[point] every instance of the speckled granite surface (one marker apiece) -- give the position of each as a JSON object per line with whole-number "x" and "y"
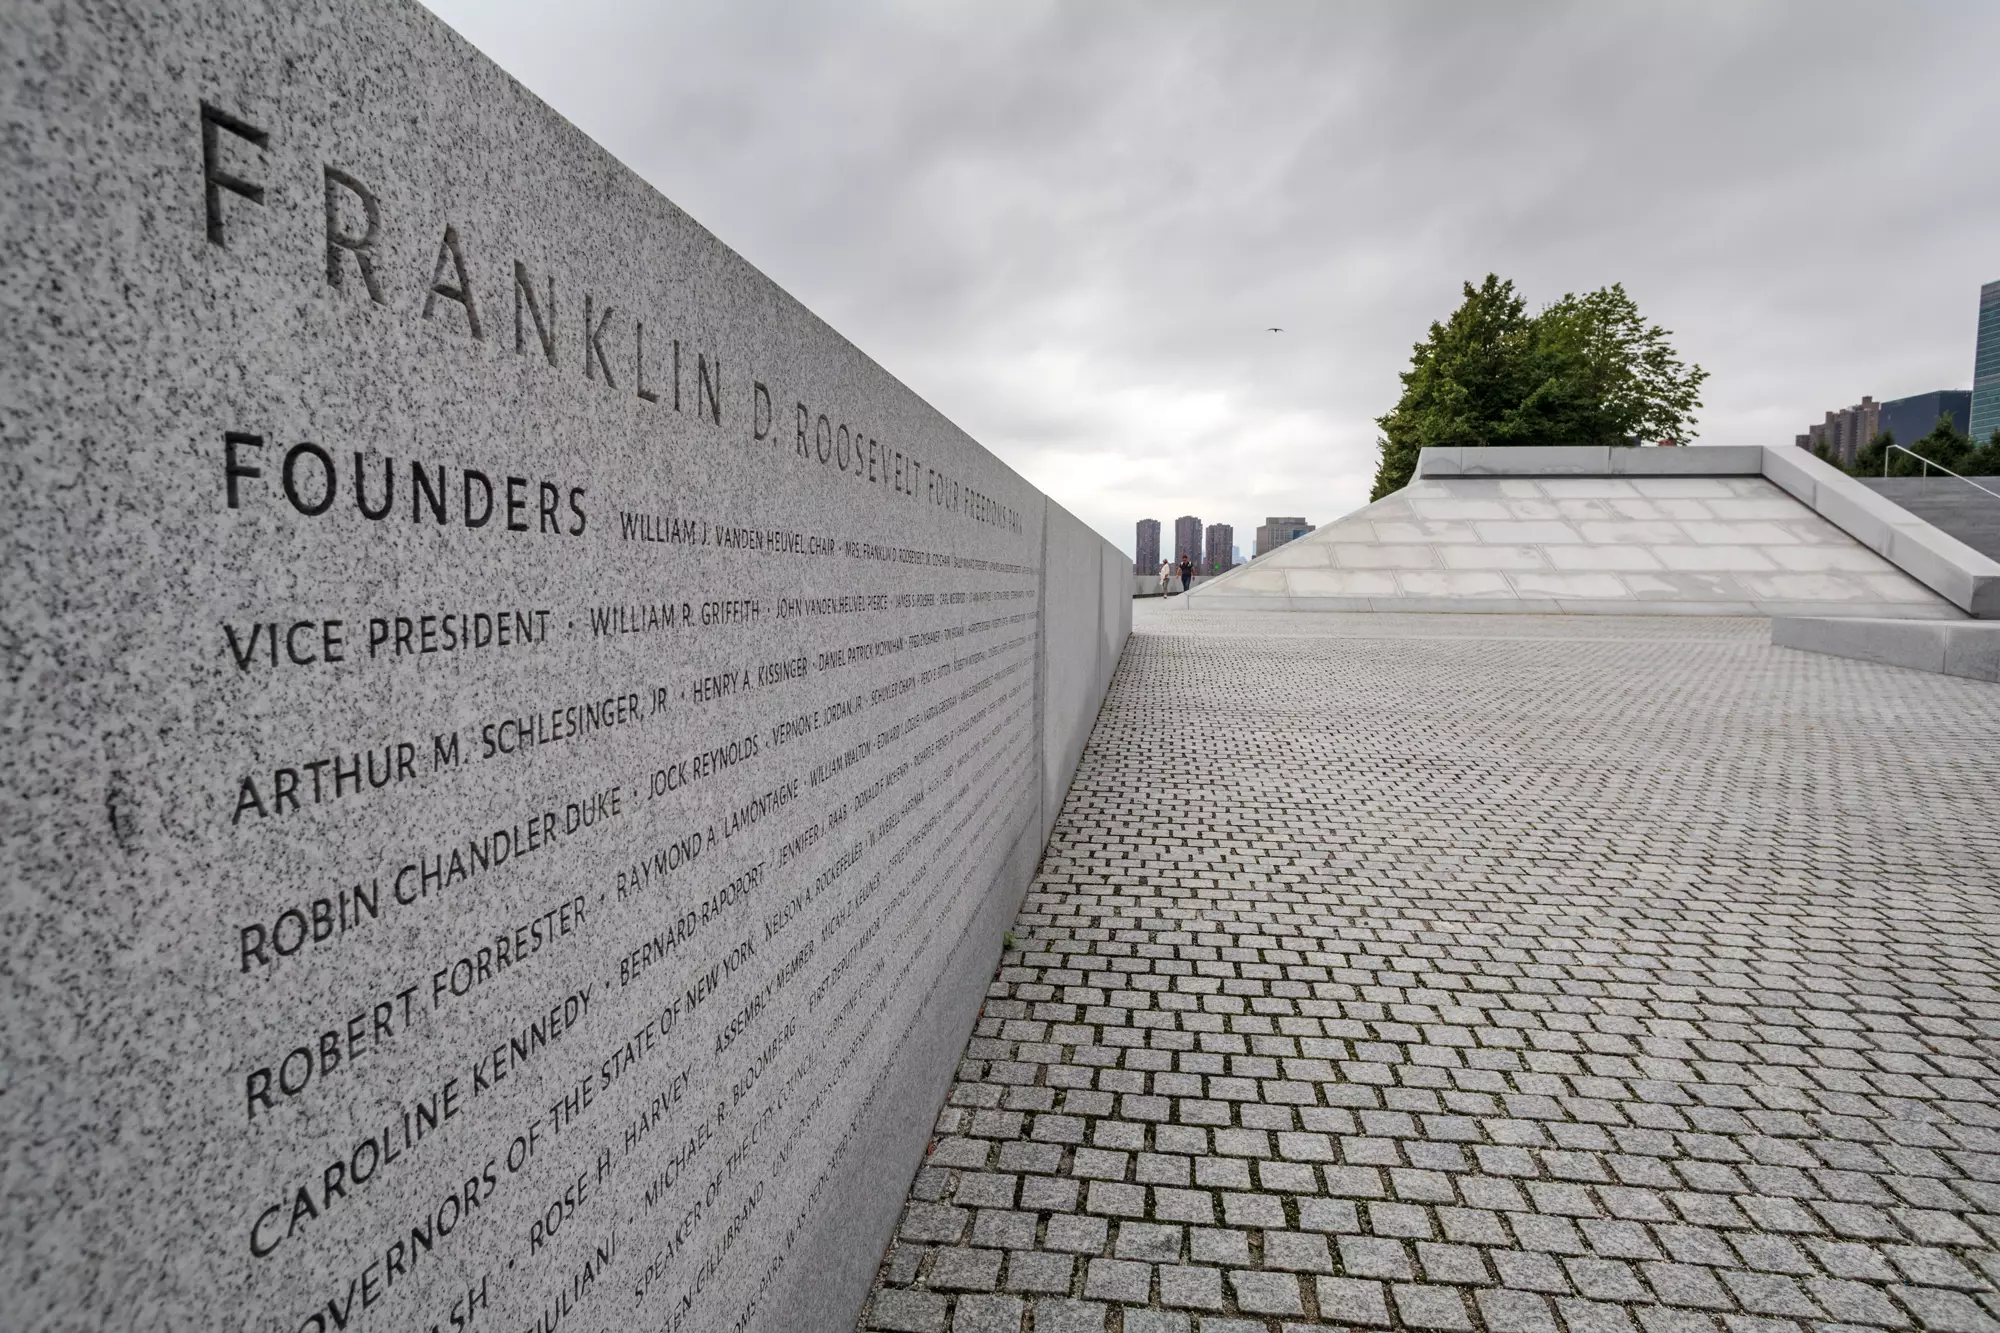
{"x": 520, "y": 741}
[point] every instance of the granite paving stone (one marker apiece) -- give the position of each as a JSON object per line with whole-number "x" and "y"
{"x": 1040, "y": 1270}
{"x": 1191, "y": 1287}
{"x": 1488, "y": 975}
{"x": 1118, "y": 1280}
{"x": 1260, "y": 1292}
{"x": 1948, "y": 1311}
{"x": 1515, "y": 1312}
{"x": 1594, "y": 1317}
{"x": 1148, "y": 1241}
{"x": 1070, "y": 1317}
{"x": 904, "y": 1311}
{"x": 987, "y": 1314}
{"x": 1298, "y": 1251}
{"x": 957, "y": 1269}
{"x": 1156, "y": 1321}
{"x": 1079, "y": 1235}
{"x": 1432, "y": 1308}
{"x": 999, "y": 1229}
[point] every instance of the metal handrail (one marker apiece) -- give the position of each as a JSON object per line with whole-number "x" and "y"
{"x": 1928, "y": 465}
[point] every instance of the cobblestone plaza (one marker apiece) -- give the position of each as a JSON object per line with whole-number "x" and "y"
{"x": 1519, "y": 974}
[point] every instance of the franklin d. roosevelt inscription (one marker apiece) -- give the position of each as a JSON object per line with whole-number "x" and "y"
{"x": 521, "y": 741}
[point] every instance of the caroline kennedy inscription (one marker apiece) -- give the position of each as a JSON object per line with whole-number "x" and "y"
{"x": 521, "y": 741}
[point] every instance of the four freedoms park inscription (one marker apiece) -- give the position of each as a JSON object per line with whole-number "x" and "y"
{"x": 521, "y": 742}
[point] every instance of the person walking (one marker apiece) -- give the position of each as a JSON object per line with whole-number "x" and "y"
{"x": 1187, "y": 573}
{"x": 1166, "y": 578}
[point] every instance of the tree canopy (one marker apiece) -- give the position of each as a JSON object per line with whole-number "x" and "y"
{"x": 1586, "y": 370}
{"x": 1946, "y": 445}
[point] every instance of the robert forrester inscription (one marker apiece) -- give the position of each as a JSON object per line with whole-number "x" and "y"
{"x": 520, "y": 741}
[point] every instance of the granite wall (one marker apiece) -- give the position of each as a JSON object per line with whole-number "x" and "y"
{"x": 521, "y": 742}
{"x": 1087, "y": 615}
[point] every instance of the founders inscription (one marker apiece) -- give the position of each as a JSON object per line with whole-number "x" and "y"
{"x": 521, "y": 740}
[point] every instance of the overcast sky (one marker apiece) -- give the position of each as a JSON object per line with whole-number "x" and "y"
{"x": 1068, "y": 226}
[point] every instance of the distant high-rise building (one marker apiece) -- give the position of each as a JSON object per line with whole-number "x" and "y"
{"x": 1187, "y": 540}
{"x": 1986, "y": 366}
{"x": 1277, "y": 531}
{"x": 1219, "y": 543}
{"x": 1146, "y": 557}
{"x": 1909, "y": 419}
{"x": 1843, "y": 433}
{"x": 1235, "y": 555}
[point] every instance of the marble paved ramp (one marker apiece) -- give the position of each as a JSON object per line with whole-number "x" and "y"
{"x": 1664, "y": 545}
{"x": 1505, "y": 974}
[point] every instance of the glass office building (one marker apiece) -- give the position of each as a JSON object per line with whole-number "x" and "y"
{"x": 1986, "y": 366}
{"x": 1908, "y": 420}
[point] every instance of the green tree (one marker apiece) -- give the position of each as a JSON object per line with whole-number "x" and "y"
{"x": 1460, "y": 383}
{"x": 1586, "y": 370}
{"x": 1869, "y": 457}
{"x": 1983, "y": 461}
{"x": 1946, "y": 446}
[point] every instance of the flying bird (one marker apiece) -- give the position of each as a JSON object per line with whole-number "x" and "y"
{"x": 1274, "y": 329}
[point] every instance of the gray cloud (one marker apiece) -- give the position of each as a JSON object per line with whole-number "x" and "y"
{"x": 1067, "y": 226}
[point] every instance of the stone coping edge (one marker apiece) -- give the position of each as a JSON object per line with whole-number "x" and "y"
{"x": 1947, "y": 566}
{"x": 1726, "y": 460}
{"x": 1945, "y": 647}
{"x": 1539, "y": 606}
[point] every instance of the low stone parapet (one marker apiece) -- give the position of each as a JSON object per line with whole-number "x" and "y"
{"x": 1947, "y": 647}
